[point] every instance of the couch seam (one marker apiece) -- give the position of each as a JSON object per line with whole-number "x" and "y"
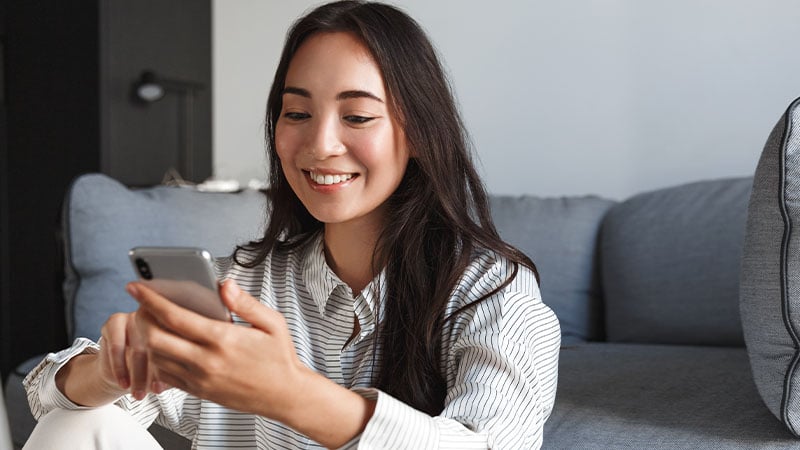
{"x": 787, "y": 233}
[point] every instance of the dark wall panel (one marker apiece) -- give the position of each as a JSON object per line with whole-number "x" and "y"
{"x": 180, "y": 30}
{"x": 69, "y": 69}
{"x": 51, "y": 75}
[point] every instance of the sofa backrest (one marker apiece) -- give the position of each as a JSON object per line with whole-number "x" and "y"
{"x": 103, "y": 219}
{"x": 670, "y": 263}
{"x": 560, "y": 235}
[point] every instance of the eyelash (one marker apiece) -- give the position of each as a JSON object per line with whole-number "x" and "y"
{"x": 296, "y": 116}
{"x": 356, "y": 120}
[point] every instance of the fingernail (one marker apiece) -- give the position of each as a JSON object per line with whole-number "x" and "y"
{"x": 131, "y": 288}
{"x": 159, "y": 387}
{"x": 138, "y": 394}
{"x": 124, "y": 382}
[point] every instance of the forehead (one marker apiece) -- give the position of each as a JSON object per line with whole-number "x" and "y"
{"x": 334, "y": 61}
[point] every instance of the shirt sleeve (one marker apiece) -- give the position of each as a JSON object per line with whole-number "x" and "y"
{"x": 40, "y": 383}
{"x": 502, "y": 371}
{"x": 44, "y": 396}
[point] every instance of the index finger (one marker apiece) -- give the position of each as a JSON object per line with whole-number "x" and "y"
{"x": 179, "y": 320}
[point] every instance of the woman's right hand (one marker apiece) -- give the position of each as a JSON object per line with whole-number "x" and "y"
{"x": 123, "y": 359}
{"x": 121, "y": 362}
{"x": 121, "y": 366}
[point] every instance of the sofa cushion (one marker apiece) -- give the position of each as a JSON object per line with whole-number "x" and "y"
{"x": 770, "y": 279}
{"x": 634, "y": 396}
{"x": 670, "y": 264}
{"x": 104, "y": 219}
{"x": 560, "y": 236}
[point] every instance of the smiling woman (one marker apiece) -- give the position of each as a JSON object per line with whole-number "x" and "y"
{"x": 384, "y": 309}
{"x": 335, "y": 124}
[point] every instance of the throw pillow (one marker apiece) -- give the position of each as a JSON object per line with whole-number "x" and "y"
{"x": 560, "y": 235}
{"x": 770, "y": 277}
{"x": 670, "y": 262}
{"x": 103, "y": 219}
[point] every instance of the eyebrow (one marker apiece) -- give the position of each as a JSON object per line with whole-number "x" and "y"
{"x": 344, "y": 95}
{"x": 296, "y": 91}
{"x": 357, "y": 94}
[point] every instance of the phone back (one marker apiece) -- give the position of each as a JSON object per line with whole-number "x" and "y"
{"x": 184, "y": 275}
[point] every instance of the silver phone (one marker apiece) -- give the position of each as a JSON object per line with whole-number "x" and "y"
{"x": 184, "y": 275}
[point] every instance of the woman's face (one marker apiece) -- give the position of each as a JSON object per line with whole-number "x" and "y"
{"x": 339, "y": 144}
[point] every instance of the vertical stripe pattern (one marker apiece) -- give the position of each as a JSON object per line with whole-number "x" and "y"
{"x": 500, "y": 359}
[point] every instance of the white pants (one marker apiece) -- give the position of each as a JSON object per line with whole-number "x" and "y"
{"x": 106, "y": 427}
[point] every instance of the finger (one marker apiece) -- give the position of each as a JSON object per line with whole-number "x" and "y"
{"x": 248, "y": 308}
{"x": 158, "y": 386}
{"x": 119, "y": 369}
{"x": 137, "y": 362}
{"x": 166, "y": 368}
{"x": 113, "y": 337}
{"x": 164, "y": 343}
{"x": 169, "y": 373}
{"x": 174, "y": 381}
{"x": 179, "y": 320}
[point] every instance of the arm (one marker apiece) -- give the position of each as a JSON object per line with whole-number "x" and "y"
{"x": 80, "y": 382}
{"x": 501, "y": 387}
{"x": 82, "y": 377}
{"x": 228, "y": 364}
{"x": 119, "y": 365}
{"x": 40, "y": 386}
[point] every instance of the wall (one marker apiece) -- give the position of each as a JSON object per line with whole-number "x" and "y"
{"x": 561, "y": 98}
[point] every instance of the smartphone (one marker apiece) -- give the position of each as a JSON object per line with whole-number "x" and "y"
{"x": 184, "y": 275}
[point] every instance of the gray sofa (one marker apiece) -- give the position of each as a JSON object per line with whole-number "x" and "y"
{"x": 646, "y": 289}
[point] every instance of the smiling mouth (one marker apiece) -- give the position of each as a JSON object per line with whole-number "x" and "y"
{"x": 327, "y": 179}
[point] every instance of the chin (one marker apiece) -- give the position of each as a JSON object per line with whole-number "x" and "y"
{"x": 327, "y": 216}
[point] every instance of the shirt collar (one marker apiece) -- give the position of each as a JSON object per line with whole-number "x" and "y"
{"x": 319, "y": 278}
{"x": 321, "y": 281}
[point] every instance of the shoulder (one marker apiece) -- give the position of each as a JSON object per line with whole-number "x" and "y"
{"x": 284, "y": 257}
{"x": 498, "y": 296}
{"x": 489, "y": 273}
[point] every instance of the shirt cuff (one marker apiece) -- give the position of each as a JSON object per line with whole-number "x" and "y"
{"x": 49, "y": 393}
{"x": 392, "y": 423}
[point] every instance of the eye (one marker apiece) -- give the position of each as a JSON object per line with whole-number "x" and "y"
{"x": 358, "y": 120}
{"x": 296, "y": 116}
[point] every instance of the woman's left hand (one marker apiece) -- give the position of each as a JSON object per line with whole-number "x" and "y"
{"x": 253, "y": 369}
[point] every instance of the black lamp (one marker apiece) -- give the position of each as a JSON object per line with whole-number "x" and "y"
{"x": 150, "y": 88}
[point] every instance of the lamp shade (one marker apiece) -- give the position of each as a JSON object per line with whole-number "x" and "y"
{"x": 149, "y": 88}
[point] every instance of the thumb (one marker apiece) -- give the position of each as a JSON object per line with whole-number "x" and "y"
{"x": 248, "y": 308}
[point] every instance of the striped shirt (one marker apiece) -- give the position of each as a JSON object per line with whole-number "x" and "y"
{"x": 500, "y": 360}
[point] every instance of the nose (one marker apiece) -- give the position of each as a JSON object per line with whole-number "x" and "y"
{"x": 325, "y": 140}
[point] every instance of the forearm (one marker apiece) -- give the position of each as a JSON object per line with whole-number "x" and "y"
{"x": 326, "y": 412}
{"x": 81, "y": 382}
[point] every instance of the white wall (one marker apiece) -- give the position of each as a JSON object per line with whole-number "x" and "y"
{"x": 561, "y": 98}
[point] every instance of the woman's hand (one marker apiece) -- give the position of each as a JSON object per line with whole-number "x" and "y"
{"x": 122, "y": 360}
{"x": 120, "y": 366}
{"x": 253, "y": 369}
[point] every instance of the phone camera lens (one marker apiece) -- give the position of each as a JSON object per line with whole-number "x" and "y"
{"x": 144, "y": 269}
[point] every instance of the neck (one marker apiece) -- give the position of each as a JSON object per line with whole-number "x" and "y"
{"x": 348, "y": 251}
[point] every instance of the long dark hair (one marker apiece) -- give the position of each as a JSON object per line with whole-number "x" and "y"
{"x": 439, "y": 214}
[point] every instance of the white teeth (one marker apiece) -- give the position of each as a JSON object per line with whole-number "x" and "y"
{"x": 329, "y": 179}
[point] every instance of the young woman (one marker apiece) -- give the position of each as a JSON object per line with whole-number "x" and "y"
{"x": 384, "y": 311}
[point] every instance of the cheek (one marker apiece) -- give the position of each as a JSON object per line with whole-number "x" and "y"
{"x": 367, "y": 150}
{"x": 285, "y": 143}
{"x": 380, "y": 151}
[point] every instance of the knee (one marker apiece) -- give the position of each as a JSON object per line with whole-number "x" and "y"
{"x": 104, "y": 427}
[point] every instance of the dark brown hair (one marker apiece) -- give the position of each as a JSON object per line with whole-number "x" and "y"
{"x": 438, "y": 216}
